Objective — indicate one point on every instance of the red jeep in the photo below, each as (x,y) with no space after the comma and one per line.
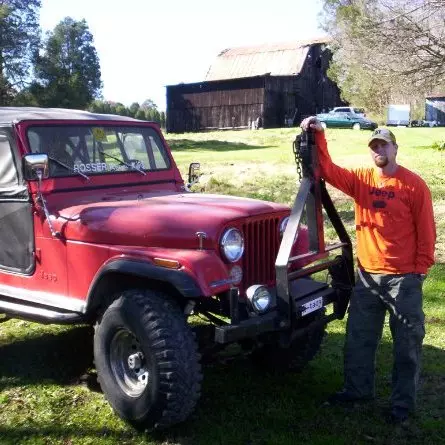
(98,227)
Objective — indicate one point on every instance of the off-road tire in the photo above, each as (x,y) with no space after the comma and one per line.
(168,354)
(295,357)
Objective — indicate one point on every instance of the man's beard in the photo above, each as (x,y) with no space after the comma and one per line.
(381,161)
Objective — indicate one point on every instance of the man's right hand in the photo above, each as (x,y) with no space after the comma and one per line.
(311,122)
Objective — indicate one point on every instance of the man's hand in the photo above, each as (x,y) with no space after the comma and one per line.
(311,122)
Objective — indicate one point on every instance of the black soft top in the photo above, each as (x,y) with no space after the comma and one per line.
(10,115)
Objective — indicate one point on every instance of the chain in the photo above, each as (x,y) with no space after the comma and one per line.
(298,159)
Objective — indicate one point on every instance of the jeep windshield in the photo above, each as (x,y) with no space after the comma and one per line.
(99,150)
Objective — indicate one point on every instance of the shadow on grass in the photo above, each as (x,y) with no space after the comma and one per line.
(48,433)
(63,358)
(211,145)
(240,403)
(347,216)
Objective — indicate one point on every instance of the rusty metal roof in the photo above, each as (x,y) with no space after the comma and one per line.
(278,59)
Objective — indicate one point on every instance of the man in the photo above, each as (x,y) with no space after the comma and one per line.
(395,248)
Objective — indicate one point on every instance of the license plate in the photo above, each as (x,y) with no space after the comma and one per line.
(312,306)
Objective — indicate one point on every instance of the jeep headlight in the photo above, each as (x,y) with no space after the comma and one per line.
(259,297)
(232,245)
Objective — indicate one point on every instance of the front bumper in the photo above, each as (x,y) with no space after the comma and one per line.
(307,297)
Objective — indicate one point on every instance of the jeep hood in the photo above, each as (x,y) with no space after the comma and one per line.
(160,221)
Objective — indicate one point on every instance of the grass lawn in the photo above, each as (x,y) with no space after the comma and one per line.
(48,394)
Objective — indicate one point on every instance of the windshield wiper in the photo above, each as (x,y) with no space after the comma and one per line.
(68,167)
(133,167)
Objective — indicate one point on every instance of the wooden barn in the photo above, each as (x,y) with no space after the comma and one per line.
(268,86)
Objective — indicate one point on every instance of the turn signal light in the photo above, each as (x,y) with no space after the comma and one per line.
(169,264)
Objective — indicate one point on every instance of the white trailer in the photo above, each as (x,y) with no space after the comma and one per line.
(398,115)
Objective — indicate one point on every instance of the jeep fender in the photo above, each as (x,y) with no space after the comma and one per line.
(185,284)
(192,280)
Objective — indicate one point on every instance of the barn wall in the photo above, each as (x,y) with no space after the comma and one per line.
(280,100)
(210,105)
(435,109)
(315,92)
(288,99)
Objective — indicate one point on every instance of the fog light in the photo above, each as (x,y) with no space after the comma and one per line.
(259,297)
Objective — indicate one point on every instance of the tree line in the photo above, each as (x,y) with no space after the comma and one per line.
(148,110)
(59,69)
(386,51)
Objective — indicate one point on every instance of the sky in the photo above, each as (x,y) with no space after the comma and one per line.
(145,45)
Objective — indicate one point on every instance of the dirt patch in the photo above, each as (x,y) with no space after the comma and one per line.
(433,320)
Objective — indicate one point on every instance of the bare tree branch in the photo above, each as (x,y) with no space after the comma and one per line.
(393,46)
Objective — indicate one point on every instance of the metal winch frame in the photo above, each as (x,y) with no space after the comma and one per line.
(313,197)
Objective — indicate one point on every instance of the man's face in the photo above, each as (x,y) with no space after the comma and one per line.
(382,152)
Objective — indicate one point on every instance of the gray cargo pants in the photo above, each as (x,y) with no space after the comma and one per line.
(364,331)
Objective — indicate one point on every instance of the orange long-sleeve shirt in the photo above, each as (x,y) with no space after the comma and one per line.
(394,216)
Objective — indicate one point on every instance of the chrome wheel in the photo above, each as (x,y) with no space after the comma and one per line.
(128,363)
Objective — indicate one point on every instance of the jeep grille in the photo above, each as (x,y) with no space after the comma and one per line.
(262,241)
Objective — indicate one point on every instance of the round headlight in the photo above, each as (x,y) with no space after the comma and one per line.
(259,297)
(232,245)
(283,225)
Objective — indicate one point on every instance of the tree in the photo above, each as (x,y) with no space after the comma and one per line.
(149,104)
(97,106)
(19,42)
(386,49)
(134,108)
(149,114)
(69,69)
(147,111)
(122,110)
(24,98)
(140,114)
(156,117)
(162,119)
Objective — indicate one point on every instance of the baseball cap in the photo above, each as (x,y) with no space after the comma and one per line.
(384,134)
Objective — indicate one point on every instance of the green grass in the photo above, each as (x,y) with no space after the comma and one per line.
(48,393)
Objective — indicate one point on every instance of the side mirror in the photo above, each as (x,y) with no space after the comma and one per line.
(194,173)
(36,166)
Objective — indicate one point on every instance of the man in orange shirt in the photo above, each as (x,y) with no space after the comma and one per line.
(395,248)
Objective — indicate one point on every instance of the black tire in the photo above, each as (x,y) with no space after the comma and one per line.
(146,360)
(295,357)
